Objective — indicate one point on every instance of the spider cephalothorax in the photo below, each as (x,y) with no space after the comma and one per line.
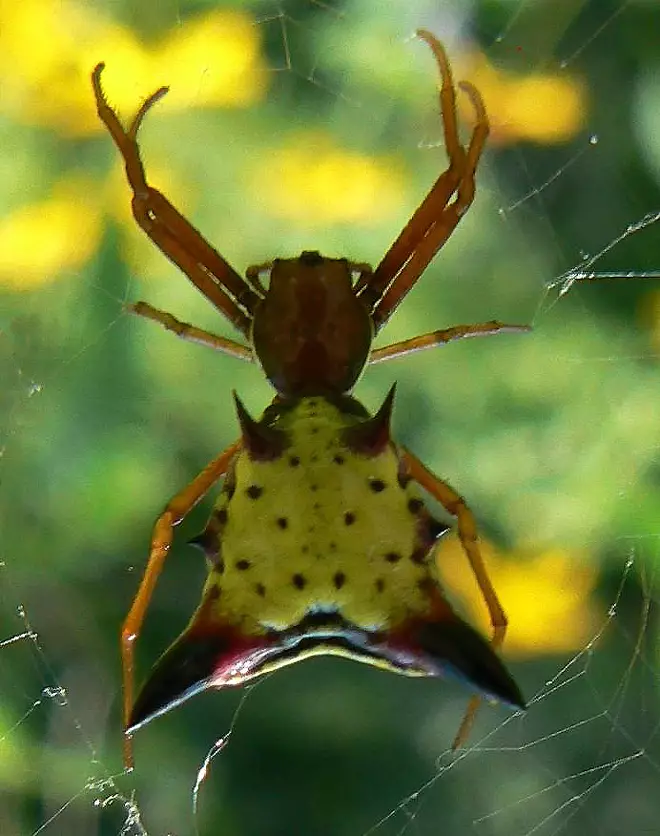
(311,333)
(319,541)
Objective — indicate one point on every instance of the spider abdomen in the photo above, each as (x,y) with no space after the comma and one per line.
(319,544)
(319,528)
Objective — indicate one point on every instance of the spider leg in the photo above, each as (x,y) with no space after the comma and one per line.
(190,332)
(161,540)
(467,532)
(436,218)
(446,335)
(167,228)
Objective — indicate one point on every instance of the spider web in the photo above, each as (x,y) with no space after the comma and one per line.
(552,437)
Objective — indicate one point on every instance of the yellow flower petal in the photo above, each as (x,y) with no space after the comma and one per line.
(39,241)
(314,182)
(649,316)
(45,62)
(48,50)
(37,37)
(545,108)
(546,597)
(213,60)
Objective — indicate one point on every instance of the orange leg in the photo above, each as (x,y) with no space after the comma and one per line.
(168,229)
(436,218)
(446,335)
(190,332)
(161,540)
(467,532)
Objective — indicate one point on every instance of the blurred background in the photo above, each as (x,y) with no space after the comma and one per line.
(314,125)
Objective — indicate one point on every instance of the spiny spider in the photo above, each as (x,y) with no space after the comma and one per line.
(319,542)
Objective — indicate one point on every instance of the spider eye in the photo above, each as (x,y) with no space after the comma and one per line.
(312,258)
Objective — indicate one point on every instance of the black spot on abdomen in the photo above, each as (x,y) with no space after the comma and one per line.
(299,581)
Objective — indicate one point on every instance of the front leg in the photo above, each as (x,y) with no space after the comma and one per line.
(168,229)
(438,215)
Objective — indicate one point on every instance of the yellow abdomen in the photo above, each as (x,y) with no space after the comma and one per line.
(320,528)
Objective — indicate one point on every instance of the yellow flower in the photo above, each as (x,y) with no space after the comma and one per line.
(649,316)
(48,50)
(546,597)
(41,240)
(315,182)
(545,108)
(215,60)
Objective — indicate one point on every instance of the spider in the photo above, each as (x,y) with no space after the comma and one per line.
(319,542)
